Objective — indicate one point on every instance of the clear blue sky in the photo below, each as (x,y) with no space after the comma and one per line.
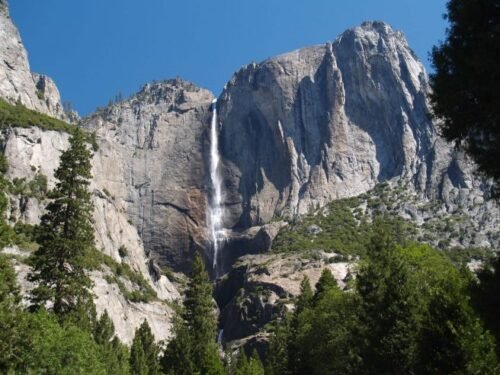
(96,48)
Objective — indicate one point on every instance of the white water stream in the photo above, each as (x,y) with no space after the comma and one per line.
(215,214)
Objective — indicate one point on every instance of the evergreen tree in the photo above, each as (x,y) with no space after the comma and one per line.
(212,363)
(252,366)
(452,339)
(114,354)
(326,337)
(194,348)
(466,80)
(10,317)
(199,313)
(304,301)
(388,309)
(177,359)
(144,352)
(255,364)
(52,348)
(242,364)
(325,283)
(104,330)
(280,347)
(9,290)
(486,297)
(306,294)
(65,234)
(6,232)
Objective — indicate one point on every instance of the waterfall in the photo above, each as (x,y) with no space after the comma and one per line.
(215,213)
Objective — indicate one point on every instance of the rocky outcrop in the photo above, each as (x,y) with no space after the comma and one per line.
(17,83)
(260,287)
(48,92)
(331,121)
(152,159)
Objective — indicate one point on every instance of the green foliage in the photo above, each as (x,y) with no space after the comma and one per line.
(177,359)
(20,116)
(104,329)
(389,305)
(9,291)
(452,339)
(199,312)
(326,337)
(410,312)
(278,354)
(486,297)
(341,233)
(38,344)
(36,188)
(325,283)
(113,353)
(59,349)
(345,229)
(194,348)
(9,301)
(306,293)
(466,80)
(95,259)
(4,165)
(252,366)
(122,251)
(65,235)
(461,256)
(144,352)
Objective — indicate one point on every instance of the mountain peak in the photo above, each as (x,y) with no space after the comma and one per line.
(379,26)
(373,31)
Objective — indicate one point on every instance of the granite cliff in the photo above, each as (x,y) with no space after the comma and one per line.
(331,121)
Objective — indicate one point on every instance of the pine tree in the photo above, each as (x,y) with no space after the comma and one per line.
(144,352)
(104,330)
(486,297)
(9,290)
(252,366)
(199,311)
(114,354)
(388,309)
(304,302)
(255,365)
(466,79)
(306,295)
(242,364)
(325,283)
(10,316)
(279,348)
(65,234)
(452,339)
(195,329)
(212,363)
(177,359)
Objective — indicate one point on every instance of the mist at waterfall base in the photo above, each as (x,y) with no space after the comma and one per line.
(215,212)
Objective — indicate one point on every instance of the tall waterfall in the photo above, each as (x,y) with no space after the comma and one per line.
(215,213)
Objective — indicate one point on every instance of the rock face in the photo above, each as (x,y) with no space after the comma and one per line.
(153,154)
(17,83)
(331,121)
(260,287)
